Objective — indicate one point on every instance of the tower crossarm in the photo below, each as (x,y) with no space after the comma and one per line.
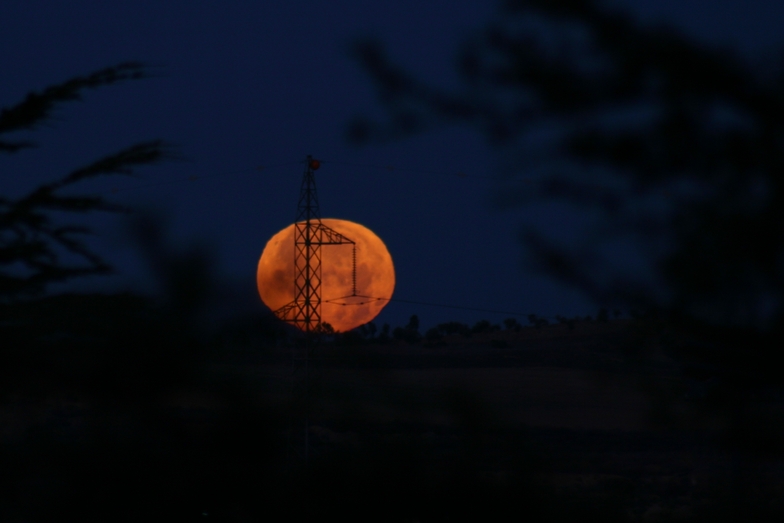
(323,235)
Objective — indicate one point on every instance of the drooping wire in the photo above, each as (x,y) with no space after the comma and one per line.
(354,269)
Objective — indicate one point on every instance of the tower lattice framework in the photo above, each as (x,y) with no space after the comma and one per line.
(309,236)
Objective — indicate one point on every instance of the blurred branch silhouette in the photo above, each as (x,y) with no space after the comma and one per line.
(29,239)
(108,404)
(674,143)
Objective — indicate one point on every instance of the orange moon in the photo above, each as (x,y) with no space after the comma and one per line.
(375,275)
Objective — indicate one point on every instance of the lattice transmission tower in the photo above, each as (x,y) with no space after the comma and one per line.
(309,236)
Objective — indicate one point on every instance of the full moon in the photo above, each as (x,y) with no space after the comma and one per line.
(375,275)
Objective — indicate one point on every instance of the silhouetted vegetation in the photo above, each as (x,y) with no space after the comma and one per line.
(484,326)
(127,407)
(677,146)
(454,327)
(569,322)
(33,244)
(512,324)
(384,335)
(409,333)
(537,322)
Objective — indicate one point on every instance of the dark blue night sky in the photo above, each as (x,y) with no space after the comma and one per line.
(244,84)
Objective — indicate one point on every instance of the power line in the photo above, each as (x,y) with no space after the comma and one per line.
(388,168)
(391,168)
(194,178)
(444,306)
(377,167)
(260,168)
(459,307)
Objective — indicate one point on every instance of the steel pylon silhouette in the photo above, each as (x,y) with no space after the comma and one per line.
(309,236)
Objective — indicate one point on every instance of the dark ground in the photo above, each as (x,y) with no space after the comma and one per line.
(551,424)
(577,408)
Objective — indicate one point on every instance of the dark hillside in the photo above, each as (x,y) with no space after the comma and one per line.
(115,405)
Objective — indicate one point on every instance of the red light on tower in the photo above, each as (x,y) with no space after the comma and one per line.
(315,164)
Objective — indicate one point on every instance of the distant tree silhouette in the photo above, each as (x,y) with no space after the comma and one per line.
(480,327)
(409,333)
(454,327)
(324,328)
(536,321)
(31,242)
(511,324)
(483,326)
(369,330)
(352,337)
(566,321)
(433,334)
(383,336)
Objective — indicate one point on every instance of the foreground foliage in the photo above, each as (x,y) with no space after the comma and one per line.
(32,244)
